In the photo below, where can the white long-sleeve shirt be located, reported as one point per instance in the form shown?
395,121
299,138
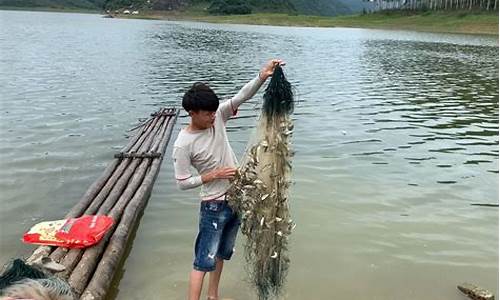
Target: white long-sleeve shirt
209,149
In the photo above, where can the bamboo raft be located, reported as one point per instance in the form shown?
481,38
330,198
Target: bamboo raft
121,192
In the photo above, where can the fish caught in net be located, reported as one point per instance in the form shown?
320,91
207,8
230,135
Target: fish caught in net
259,192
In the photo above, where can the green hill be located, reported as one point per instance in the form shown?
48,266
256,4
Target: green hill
53,4
321,7
308,7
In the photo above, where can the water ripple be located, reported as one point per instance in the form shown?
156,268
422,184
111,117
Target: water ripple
395,134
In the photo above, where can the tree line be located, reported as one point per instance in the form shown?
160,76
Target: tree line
230,7
435,4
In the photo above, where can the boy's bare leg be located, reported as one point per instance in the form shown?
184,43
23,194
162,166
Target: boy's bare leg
213,283
195,284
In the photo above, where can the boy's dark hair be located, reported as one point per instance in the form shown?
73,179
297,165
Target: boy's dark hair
200,97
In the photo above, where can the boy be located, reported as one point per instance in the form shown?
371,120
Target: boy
204,145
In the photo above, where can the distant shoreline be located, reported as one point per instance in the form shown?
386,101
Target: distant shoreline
479,23
52,9
438,22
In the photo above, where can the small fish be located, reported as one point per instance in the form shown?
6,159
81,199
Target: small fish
264,197
262,221
278,219
279,233
266,167
275,254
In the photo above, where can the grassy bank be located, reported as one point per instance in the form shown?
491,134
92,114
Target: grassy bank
446,22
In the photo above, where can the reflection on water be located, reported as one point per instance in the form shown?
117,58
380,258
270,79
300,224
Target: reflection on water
443,96
396,134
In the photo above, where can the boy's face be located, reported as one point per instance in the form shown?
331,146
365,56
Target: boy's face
202,119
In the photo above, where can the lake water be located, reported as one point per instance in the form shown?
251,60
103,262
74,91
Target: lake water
396,135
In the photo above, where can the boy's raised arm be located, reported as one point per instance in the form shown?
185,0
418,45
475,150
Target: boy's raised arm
230,107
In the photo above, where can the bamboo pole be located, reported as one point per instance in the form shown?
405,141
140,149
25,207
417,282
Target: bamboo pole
85,268
101,281
105,190
71,257
139,144
60,252
74,256
96,187
120,192
87,198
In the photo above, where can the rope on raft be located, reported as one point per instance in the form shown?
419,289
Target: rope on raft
259,190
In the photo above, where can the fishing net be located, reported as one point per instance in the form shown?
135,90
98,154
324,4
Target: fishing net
19,280
259,190
18,270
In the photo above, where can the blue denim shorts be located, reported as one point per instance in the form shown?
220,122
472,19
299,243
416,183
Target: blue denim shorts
217,234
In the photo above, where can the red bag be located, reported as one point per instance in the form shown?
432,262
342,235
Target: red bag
70,233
